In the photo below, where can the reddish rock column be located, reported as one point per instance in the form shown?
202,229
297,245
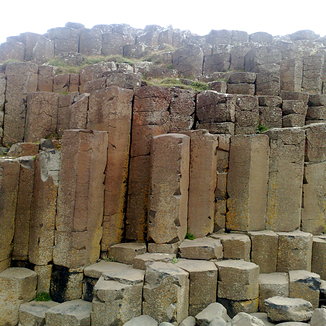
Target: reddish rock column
110,110
9,178
202,182
286,163
80,198
247,182
168,206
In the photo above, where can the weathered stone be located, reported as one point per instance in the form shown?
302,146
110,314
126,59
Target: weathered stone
43,50
270,101
264,250
244,319
317,100
42,115
285,179
116,301
17,285
217,128
293,120
314,204
79,111
261,37
202,182
288,309
142,320
238,280
242,77
246,89
188,60
235,246
43,209
61,83
164,248
213,107
247,182
312,72
173,282
33,313
201,248
65,39
9,182
80,198
315,143
271,285
270,117
126,252
263,59
318,317
291,75
74,313
212,311
218,86
234,307
263,317
202,284
169,188
294,107
23,149
294,251
45,79
43,278
268,83
216,62
304,285
21,79
317,113
90,42
141,261
297,96
12,51
319,257
110,110
96,270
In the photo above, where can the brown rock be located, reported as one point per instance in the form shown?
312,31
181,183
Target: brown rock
270,117
23,149
285,179
90,42
126,252
65,39
45,79
23,208
43,209
169,188
315,143
202,182
80,198
291,75
319,257
21,79
268,83
9,182
312,73
78,112
290,244
247,183
42,115
248,89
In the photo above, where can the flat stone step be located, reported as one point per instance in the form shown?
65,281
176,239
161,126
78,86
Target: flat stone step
33,313
126,252
72,313
96,270
141,261
288,309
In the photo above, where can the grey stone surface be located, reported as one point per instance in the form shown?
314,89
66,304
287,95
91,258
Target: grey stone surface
211,312
143,320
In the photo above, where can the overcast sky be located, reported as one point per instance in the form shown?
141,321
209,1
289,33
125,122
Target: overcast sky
278,17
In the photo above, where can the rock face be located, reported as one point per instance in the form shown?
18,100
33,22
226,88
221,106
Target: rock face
288,309
202,166
169,185
174,283
80,198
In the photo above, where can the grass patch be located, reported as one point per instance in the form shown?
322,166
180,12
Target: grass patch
174,260
43,296
176,82
190,236
261,129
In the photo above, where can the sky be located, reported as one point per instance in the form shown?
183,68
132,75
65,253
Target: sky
277,17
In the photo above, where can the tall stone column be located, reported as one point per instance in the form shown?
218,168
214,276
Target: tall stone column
247,182
168,205
9,179
110,110
286,162
80,198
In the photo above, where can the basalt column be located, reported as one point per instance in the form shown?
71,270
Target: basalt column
150,118
110,110
286,163
314,184
168,207
80,198
202,182
247,182
9,178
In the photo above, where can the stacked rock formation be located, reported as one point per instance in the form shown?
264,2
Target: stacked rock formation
202,194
